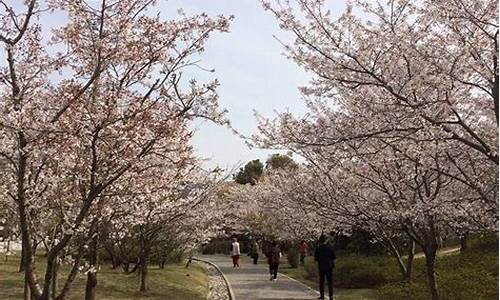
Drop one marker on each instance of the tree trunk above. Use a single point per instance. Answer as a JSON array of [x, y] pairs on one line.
[[28, 263], [22, 262], [430, 260], [71, 276], [126, 267], [92, 274], [91, 286], [7, 250], [163, 260], [49, 272], [463, 242], [144, 274], [54, 279], [397, 256], [189, 261], [109, 250], [409, 261], [144, 260], [27, 289]]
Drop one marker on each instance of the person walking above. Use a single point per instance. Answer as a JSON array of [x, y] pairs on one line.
[[255, 252], [325, 256], [235, 253], [273, 259], [303, 249]]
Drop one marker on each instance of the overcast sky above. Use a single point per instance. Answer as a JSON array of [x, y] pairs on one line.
[[253, 73]]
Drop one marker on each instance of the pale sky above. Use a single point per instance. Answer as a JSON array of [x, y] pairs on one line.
[[253, 73]]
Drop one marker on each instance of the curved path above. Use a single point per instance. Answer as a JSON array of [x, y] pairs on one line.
[[251, 282]]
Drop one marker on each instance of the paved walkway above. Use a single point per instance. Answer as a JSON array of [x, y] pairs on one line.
[[251, 282]]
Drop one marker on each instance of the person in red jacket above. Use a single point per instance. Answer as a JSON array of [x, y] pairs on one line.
[[273, 259], [303, 249]]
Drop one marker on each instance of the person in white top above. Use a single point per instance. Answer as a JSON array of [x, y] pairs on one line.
[[235, 253]]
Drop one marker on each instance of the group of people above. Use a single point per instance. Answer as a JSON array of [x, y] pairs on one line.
[[324, 255]]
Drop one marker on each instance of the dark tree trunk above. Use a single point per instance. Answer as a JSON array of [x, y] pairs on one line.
[[163, 261], [126, 267], [114, 261], [409, 261], [27, 289], [49, 272], [144, 260], [91, 286], [430, 261], [90, 289], [54, 279], [144, 275], [23, 261], [463, 242]]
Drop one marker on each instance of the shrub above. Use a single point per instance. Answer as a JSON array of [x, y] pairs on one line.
[[217, 246], [311, 269], [176, 257], [486, 242], [293, 257], [364, 272], [356, 271]]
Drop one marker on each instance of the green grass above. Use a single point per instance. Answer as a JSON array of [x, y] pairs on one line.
[[173, 282], [472, 274], [462, 276], [301, 274]]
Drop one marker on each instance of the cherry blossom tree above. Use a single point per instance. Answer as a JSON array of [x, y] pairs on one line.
[[186, 212], [405, 101], [87, 111], [433, 64]]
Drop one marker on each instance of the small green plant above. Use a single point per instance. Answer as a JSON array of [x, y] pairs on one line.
[[311, 268], [293, 257]]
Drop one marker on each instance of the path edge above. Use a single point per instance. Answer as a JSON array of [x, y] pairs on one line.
[[300, 282], [228, 285]]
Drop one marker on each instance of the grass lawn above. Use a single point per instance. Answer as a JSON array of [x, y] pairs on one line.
[[300, 274], [461, 276], [173, 282]]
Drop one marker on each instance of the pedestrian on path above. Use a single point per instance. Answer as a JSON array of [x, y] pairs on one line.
[[255, 252], [273, 259], [303, 249], [235, 253], [325, 256]]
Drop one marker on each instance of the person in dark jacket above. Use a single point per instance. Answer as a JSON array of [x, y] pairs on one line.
[[325, 256], [303, 249], [273, 259]]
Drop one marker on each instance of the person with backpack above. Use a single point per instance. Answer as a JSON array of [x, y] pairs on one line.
[[273, 259], [324, 255]]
